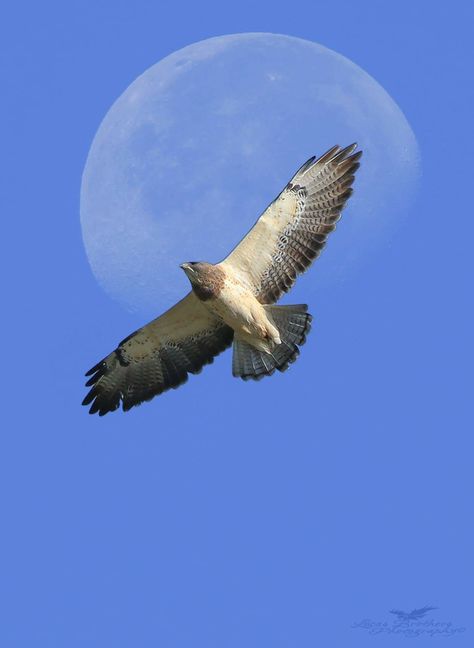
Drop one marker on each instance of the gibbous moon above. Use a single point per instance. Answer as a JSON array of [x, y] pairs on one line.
[[197, 146]]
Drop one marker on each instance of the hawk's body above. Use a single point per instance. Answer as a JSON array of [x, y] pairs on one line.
[[234, 300]]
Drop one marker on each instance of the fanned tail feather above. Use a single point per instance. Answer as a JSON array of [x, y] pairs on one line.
[[293, 323]]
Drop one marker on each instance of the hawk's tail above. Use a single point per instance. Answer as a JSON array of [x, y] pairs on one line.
[[293, 323]]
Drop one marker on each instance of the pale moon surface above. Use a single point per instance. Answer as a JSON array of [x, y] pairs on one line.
[[195, 149]]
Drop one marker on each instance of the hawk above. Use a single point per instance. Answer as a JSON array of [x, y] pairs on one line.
[[414, 615], [234, 301]]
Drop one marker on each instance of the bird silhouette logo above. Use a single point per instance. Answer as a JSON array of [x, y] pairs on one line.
[[411, 624], [414, 615]]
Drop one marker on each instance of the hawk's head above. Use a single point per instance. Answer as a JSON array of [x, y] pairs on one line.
[[195, 270], [206, 279]]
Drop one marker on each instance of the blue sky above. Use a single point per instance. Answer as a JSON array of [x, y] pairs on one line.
[[223, 514]]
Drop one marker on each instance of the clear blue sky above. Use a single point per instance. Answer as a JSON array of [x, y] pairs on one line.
[[227, 515]]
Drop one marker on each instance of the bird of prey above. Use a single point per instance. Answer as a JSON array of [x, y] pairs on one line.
[[414, 615], [234, 301]]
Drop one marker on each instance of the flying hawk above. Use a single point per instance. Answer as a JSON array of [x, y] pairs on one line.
[[414, 615], [234, 301]]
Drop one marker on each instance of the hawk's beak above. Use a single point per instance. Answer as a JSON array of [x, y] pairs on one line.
[[186, 267]]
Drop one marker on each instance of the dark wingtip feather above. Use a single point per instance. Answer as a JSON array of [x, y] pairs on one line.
[[95, 368], [93, 380], [356, 157], [349, 149], [94, 407], [89, 397], [334, 150], [344, 153]]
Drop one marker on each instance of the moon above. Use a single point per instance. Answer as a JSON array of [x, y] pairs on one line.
[[196, 147]]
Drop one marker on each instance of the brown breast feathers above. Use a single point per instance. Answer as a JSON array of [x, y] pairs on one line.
[[211, 282]]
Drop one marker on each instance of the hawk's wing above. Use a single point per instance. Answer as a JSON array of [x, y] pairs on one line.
[[293, 230], [399, 613], [420, 612], [157, 357]]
